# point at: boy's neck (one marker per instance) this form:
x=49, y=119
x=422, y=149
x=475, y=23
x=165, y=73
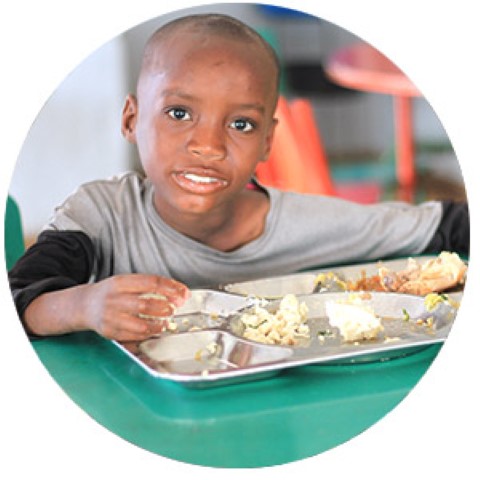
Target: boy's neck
x=227, y=233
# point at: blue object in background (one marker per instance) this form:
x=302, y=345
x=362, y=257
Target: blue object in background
x=281, y=11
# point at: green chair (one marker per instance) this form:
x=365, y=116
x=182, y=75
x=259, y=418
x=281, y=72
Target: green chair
x=14, y=242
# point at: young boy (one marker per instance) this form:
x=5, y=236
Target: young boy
x=202, y=119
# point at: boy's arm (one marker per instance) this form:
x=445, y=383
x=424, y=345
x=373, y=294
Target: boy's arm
x=453, y=232
x=58, y=260
x=52, y=296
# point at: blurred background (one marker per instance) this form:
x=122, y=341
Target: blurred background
x=76, y=136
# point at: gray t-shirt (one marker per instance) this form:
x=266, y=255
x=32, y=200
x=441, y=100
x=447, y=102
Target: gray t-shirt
x=301, y=232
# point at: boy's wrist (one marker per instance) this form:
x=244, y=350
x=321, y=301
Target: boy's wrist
x=55, y=313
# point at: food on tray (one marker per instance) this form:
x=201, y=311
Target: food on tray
x=435, y=275
x=284, y=327
x=437, y=305
x=210, y=351
x=329, y=281
x=432, y=300
x=354, y=317
x=445, y=271
x=169, y=324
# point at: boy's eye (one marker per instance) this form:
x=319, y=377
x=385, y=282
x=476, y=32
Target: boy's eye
x=178, y=114
x=242, y=125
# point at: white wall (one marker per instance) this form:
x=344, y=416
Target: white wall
x=75, y=137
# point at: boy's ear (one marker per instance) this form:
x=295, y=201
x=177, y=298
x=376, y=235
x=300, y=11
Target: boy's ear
x=269, y=139
x=129, y=118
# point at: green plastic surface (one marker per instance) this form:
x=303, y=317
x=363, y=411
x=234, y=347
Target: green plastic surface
x=299, y=413
x=14, y=242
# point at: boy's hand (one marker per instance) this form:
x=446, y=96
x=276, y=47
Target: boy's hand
x=117, y=306
x=114, y=307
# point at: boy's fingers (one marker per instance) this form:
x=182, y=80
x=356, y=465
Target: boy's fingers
x=154, y=305
x=130, y=327
x=175, y=291
x=125, y=326
x=161, y=287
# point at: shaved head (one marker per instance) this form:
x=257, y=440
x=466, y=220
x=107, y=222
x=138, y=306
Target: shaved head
x=203, y=27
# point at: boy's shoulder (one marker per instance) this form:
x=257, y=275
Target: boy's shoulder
x=124, y=179
x=115, y=193
x=127, y=183
x=97, y=202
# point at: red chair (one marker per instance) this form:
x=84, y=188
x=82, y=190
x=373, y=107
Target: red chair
x=298, y=161
x=284, y=167
x=316, y=167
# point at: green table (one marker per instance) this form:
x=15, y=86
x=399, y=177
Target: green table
x=299, y=413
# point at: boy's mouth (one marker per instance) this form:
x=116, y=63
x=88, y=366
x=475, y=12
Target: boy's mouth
x=199, y=183
x=200, y=179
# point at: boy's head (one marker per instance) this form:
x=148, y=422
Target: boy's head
x=203, y=115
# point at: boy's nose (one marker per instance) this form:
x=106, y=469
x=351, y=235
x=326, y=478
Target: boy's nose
x=207, y=142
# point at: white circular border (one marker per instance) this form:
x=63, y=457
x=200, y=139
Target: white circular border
x=45, y=434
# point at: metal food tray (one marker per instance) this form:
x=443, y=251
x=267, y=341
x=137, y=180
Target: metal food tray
x=187, y=356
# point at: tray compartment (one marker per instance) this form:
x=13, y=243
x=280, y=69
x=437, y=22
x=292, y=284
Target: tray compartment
x=207, y=351
x=275, y=287
x=391, y=307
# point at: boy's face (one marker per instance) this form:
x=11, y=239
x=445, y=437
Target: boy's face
x=202, y=121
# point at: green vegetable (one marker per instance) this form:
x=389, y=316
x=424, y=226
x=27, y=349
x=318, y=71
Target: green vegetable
x=325, y=333
x=433, y=299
